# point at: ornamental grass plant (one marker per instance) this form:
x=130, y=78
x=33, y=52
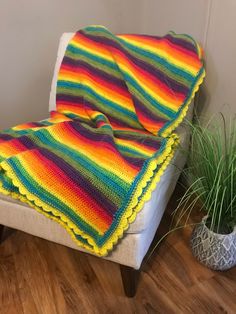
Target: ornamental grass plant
x=211, y=175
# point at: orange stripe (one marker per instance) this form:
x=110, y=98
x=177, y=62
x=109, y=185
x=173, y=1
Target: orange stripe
x=11, y=148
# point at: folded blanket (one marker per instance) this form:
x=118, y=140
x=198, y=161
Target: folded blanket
x=95, y=161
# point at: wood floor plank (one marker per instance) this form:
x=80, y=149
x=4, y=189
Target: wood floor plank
x=40, y=277
x=10, y=301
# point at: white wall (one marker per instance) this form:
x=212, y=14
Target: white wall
x=30, y=30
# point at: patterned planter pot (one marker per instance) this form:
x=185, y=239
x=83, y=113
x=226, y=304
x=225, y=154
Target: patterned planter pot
x=216, y=251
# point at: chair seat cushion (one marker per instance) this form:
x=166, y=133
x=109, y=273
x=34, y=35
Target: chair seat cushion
x=160, y=196
x=130, y=252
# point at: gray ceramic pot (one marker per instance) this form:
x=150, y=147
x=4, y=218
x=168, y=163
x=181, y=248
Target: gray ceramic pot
x=216, y=251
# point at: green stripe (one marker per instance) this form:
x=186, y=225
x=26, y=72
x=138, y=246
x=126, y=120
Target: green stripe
x=110, y=68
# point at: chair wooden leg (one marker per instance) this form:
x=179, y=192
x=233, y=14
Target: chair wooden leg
x=130, y=278
x=1, y=233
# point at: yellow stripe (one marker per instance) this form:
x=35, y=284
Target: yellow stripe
x=92, y=51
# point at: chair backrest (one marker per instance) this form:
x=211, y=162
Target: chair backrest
x=64, y=40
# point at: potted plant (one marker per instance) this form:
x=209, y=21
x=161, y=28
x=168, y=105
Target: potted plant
x=211, y=174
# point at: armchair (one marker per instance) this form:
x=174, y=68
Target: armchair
x=131, y=250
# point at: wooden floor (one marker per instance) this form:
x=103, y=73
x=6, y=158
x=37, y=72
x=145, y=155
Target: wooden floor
x=37, y=276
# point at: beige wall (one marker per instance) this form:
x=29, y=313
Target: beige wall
x=213, y=24
x=181, y=16
x=219, y=91
x=30, y=30
x=29, y=35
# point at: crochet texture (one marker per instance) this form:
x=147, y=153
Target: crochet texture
x=95, y=161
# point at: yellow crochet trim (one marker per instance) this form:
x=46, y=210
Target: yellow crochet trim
x=180, y=118
x=62, y=220
x=129, y=214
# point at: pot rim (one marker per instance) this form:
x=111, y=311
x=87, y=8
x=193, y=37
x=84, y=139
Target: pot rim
x=215, y=233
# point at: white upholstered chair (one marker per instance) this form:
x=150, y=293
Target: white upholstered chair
x=131, y=250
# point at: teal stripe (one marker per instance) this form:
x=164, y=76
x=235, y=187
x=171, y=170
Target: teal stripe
x=7, y=183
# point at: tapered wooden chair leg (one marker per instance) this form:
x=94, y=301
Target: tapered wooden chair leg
x=130, y=278
x=1, y=233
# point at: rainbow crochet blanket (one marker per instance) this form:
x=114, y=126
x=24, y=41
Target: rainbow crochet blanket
x=95, y=161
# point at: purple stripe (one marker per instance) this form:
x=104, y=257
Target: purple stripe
x=149, y=141
x=6, y=137
x=27, y=142
x=97, y=136
x=136, y=162
x=81, y=100
x=36, y=124
x=182, y=43
x=146, y=112
x=79, y=180
x=70, y=98
x=104, y=138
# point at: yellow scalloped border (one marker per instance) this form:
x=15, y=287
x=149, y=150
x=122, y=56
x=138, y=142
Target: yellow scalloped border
x=128, y=216
x=180, y=118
